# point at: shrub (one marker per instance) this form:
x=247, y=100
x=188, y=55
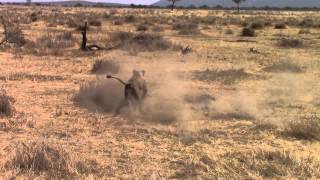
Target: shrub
x=105, y=66
x=304, y=31
x=304, y=128
x=280, y=26
x=34, y=17
x=284, y=66
x=6, y=104
x=117, y=22
x=95, y=22
x=290, y=43
x=140, y=41
x=15, y=35
x=308, y=23
x=291, y=21
x=257, y=25
x=40, y=157
x=248, y=32
x=185, y=28
x=229, y=31
x=157, y=29
x=270, y=164
x=56, y=41
x=142, y=27
x=130, y=19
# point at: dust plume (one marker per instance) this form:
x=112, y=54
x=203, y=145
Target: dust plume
x=164, y=104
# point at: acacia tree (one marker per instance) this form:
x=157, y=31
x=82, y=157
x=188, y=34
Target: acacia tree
x=28, y=2
x=173, y=3
x=238, y=2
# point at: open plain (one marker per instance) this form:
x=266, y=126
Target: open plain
x=231, y=96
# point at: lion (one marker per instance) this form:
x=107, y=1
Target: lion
x=135, y=91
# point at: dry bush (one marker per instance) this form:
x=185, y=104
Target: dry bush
x=157, y=29
x=56, y=41
x=269, y=164
x=226, y=76
x=290, y=43
x=118, y=22
x=95, y=22
x=309, y=22
x=51, y=44
x=229, y=31
x=248, y=32
x=280, y=26
x=140, y=41
x=186, y=28
x=210, y=20
x=291, y=21
x=304, y=31
x=41, y=157
x=257, y=25
x=14, y=34
x=34, y=16
x=257, y=22
x=6, y=104
x=105, y=66
x=284, y=66
x=130, y=19
x=304, y=128
x=142, y=27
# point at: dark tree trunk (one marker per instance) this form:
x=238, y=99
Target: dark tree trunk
x=84, y=37
x=172, y=6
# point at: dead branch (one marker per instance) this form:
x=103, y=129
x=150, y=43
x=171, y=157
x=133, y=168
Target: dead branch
x=92, y=47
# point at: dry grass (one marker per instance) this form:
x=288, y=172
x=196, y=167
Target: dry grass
x=142, y=27
x=95, y=22
x=6, y=104
x=270, y=164
x=290, y=43
x=41, y=157
x=304, y=31
x=226, y=76
x=140, y=41
x=280, y=26
x=248, y=32
x=304, y=128
x=186, y=28
x=284, y=66
x=203, y=118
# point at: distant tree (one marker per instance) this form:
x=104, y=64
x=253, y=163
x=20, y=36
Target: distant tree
x=78, y=5
x=173, y=3
x=238, y=2
x=204, y=7
x=28, y=2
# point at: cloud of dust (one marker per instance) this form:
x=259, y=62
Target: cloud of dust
x=102, y=95
x=287, y=96
x=164, y=104
x=171, y=98
x=239, y=105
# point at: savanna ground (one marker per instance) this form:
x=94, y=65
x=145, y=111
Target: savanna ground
x=236, y=106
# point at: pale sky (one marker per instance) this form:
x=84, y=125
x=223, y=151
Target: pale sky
x=112, y=1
